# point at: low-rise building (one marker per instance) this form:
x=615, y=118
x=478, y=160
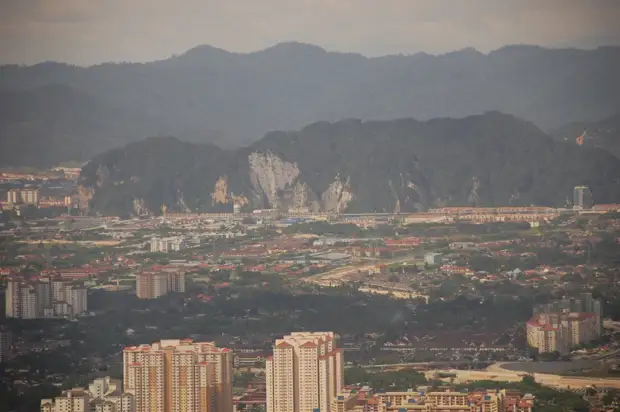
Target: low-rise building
x=436, y=401
x=102, y=395
x=432, y=259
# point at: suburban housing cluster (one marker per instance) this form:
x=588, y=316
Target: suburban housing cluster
x=305, y=374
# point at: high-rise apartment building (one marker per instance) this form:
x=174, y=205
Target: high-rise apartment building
x=44, y=295
x=151, y=285
x=20, y=300
x=30, y=300
x=58, y=288
x=584, y=302
x=68, y=298
x=582, y=198
x=167, y=244
x=77, y=297
x=176, y=281
x=305, y=373
x=179, y=376
x=559, y=332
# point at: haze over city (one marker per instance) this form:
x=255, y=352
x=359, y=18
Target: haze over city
x=309, y=206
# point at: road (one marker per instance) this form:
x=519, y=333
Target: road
x=340, y=273
x=413, y=365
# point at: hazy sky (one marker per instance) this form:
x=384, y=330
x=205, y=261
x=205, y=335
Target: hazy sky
x=93, y=31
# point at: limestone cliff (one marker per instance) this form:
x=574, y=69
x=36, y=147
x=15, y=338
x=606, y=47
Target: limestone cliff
x=139, y=207
x=222, y=196
x=269, y=176
x=278, y=183
x=337, y=196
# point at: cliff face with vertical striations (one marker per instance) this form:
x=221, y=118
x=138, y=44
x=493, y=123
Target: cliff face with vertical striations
x=353, y=166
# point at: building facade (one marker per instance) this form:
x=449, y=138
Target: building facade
x=582, y=198
x=305, y=373
x=20, y=300
x=102, y=395
x=23, y=197
x=434, y=401
x=44, y=298
x=5, y=345
x=584, y=302
x=179, y=376
x=151, y=285
x=154, y=285
x=559, y=332
x=166, y=245
x=176, y=281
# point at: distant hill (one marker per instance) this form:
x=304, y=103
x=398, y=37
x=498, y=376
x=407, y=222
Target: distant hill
x=350, y=165
x=211, y=95
x=603, y=134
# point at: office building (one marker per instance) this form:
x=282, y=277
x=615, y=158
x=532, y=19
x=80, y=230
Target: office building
x=179, y=376
x=166, y=245
x=582, y=198
x=305, y=373
x=102, y=395
x=20, y=300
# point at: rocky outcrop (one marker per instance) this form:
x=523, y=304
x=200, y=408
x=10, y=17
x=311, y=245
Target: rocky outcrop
x=222, y=196
x=103, y=175
x=337, y=196
x=139, y=207
x=474, y=194
x=270, y=176
x=84, y=195
x=278, y=183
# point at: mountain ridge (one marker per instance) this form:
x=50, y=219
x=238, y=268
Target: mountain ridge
x=208, y=94
x=351, y=165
